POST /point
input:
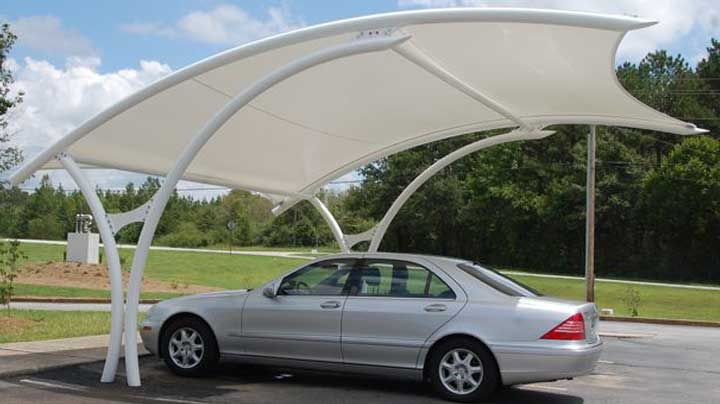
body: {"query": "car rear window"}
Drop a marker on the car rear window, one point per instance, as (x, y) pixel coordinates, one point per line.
(498, 281)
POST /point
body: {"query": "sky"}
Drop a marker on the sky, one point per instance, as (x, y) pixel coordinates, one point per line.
(76, 58)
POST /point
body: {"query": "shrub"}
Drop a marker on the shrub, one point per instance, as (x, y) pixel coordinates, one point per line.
(10, 256)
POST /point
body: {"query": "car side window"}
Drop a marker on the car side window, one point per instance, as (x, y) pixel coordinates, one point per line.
(324, 278)
(392, 278)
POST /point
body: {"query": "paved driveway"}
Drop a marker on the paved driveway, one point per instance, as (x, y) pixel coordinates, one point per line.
(662, 364)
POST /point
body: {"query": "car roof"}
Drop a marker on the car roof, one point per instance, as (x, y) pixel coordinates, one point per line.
(395, 255)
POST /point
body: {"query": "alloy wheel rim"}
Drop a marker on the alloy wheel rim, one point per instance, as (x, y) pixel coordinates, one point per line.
(461, 371)
(186, 348)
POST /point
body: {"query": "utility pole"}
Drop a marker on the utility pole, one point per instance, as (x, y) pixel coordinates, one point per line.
(590, 218)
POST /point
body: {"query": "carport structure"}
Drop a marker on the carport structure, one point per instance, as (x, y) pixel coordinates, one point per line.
(285, 115)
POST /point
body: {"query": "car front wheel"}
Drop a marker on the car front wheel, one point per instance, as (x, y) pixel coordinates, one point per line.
(188, 347)
(463, 370)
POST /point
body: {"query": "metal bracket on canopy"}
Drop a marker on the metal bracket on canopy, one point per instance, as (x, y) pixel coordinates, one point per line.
(119, 220)
(353, 239)
(378, 32)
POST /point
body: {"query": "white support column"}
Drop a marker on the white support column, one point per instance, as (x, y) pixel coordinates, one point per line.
(113, 261)
(518, 134)
(163, 194)
(590, 218)
(330, 219)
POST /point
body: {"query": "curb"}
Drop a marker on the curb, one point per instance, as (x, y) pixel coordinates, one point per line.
(662, 321)
(73, 300)
(45, 368)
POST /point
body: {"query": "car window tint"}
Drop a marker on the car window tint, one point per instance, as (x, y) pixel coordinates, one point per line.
(325, 278)
(396, 279)
(498, 281)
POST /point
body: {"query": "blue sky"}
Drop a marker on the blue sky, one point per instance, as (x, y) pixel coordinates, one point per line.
(89, 54)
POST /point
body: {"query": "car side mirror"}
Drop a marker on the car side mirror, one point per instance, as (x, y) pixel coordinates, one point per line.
(270, 292)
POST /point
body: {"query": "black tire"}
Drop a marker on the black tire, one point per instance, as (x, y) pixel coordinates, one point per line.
(208, 357)
(487, 383)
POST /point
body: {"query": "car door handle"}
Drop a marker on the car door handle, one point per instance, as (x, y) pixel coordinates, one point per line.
(330, 305)
(435, 308)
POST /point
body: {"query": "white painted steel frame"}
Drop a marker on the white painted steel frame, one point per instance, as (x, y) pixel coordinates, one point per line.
(163, 194)
(516, 135)
(330, 219)
(102, 221)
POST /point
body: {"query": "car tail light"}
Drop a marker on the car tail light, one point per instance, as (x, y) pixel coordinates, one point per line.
(571, 329)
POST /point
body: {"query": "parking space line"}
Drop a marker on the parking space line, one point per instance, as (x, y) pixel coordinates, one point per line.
(63, 386)
(543, 387)
(169, 400)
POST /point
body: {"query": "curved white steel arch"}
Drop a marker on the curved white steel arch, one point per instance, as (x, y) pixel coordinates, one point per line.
(519, 134)
(163, 194)
(332, 223)
(113, 259)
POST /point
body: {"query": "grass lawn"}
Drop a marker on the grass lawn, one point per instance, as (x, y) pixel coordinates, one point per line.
(209, 269)
(34, 325)
(60, 291)
(239, 271)
(655, 301)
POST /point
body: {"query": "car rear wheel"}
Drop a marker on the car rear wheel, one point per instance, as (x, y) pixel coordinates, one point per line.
(463, 370)
(188, 347)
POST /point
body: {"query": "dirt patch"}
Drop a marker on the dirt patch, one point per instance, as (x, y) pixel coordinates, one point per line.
(91, 276)
(11, 325)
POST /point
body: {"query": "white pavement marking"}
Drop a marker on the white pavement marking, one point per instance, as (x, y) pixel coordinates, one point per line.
(169, 400)
(64, 386)
(544, 387)
(668, 285)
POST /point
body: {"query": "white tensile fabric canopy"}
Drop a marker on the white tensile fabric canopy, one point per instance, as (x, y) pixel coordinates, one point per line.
(285, 115)
(543, 67)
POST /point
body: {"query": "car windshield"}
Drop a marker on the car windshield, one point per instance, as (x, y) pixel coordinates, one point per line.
(498, 281)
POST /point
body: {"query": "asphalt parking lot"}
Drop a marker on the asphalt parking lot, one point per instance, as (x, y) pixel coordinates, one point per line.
(660, 364)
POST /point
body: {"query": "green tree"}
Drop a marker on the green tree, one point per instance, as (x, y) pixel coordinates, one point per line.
(681, 205)
(9, 156)
(708, 71)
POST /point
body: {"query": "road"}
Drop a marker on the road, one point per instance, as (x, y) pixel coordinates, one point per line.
(662, 364)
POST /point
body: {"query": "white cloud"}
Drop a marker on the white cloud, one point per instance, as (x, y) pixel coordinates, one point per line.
(47, 34)
(223, 25)
(677, 18)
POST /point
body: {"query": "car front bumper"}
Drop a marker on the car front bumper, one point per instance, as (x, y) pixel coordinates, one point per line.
(150, 334)
(545, 362)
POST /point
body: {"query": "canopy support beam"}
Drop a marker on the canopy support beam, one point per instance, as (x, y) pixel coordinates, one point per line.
(196, 144)
(518, 134)
(103, 222)
(416, 56)
(330, 219)
(590, 218)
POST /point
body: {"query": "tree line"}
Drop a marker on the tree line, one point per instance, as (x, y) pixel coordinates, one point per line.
(516, 205)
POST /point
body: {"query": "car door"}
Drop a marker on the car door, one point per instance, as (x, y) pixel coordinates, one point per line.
(392, 309)
(303, 320)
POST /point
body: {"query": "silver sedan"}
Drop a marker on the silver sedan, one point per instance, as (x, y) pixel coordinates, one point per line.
(462, 327)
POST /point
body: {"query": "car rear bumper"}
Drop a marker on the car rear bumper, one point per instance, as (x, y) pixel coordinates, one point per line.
(545, 362)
